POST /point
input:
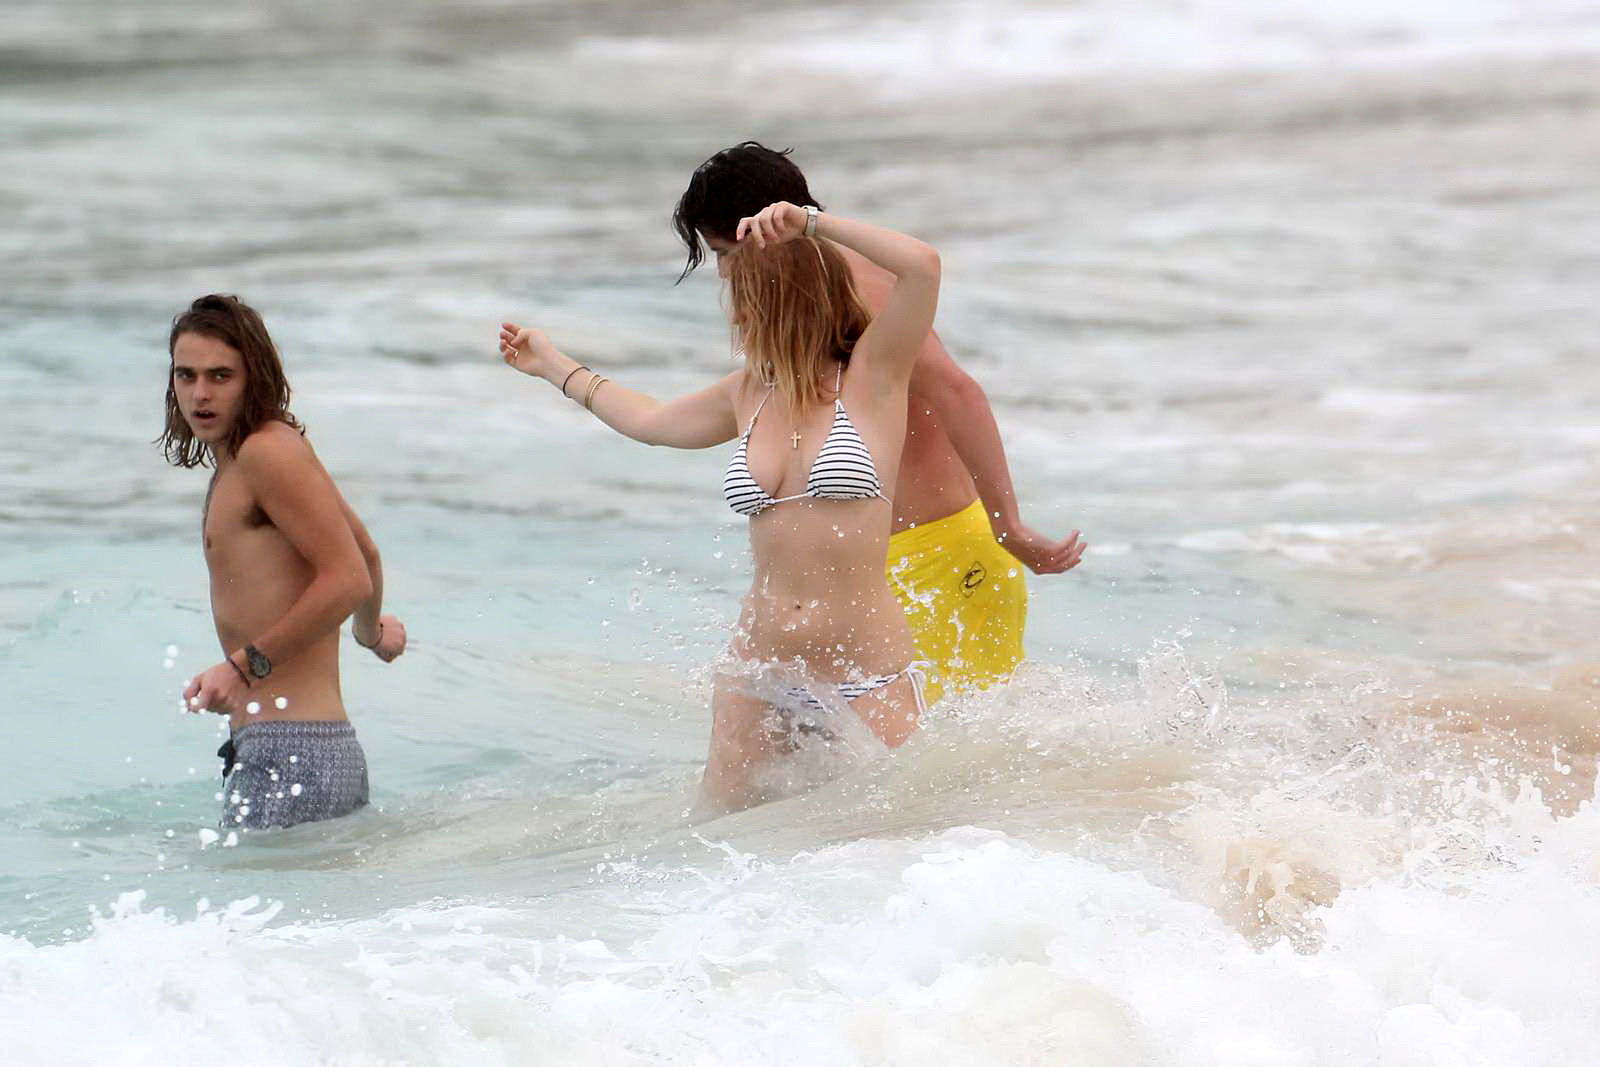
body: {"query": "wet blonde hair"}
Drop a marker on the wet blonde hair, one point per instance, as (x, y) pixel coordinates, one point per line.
(796, 314)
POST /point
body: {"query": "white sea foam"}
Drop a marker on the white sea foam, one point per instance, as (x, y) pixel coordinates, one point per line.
(1349, 544)
(946, 49)
(913, 951)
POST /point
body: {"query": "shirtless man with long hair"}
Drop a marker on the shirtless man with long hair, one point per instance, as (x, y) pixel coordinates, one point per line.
(289, 562)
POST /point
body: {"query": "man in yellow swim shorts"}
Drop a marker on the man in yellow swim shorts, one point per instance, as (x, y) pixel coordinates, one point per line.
(959, 543)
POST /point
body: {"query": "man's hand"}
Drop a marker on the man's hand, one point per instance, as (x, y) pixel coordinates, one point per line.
(391, 641)
(218, 689)
(1040, 554)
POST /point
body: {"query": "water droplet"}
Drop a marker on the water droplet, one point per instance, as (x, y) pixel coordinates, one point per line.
(281, 703)
(294, 790)
(172, 651)
(252, 708)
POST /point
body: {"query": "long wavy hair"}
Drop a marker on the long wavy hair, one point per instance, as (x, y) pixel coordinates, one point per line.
(266, 388)
(795, 313)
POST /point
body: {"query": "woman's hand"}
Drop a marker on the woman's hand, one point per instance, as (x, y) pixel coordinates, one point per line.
(528, 350)
(773, 224)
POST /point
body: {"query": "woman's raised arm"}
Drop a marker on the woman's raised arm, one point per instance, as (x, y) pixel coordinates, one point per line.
(898, 329)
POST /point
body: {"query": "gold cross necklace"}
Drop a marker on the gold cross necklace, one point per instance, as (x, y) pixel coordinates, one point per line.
(794, 439)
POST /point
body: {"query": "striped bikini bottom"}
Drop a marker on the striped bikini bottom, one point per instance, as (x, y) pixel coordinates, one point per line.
(799, 698)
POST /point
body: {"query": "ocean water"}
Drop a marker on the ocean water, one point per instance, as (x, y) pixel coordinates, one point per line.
(1288, 306)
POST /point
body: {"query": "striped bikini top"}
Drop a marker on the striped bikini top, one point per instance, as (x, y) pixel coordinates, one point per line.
(843, 469)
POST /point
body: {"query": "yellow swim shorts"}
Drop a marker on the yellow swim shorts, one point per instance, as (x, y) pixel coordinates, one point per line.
(964, 597)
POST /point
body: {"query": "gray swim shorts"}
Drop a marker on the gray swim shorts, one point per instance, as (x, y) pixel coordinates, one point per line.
(282, 773)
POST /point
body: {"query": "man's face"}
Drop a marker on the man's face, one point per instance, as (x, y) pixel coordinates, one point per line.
(208, 380)
(720, 249)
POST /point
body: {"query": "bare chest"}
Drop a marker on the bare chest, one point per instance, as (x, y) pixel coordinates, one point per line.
(232, 523)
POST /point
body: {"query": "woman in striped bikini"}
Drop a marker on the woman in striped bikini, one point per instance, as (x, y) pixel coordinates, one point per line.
(819, 411)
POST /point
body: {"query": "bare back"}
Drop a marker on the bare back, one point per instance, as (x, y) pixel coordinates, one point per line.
(933, 481)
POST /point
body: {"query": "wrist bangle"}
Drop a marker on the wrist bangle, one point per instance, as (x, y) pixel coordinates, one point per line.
(594, 387)
(242, 676)
(812, 211)
(568, 378)
(357, 637)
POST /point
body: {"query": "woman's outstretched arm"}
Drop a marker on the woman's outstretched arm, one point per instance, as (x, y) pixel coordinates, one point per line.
(697, 420)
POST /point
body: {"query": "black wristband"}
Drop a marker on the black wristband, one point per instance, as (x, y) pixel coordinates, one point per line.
(242, 676)
(568, 378)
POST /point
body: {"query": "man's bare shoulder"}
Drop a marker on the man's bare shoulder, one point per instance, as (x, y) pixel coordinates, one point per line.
(276, 448)
(934, 366)
(872, 282)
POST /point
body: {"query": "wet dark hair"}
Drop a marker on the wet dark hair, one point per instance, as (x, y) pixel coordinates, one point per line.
(266, 389)
(734, 183)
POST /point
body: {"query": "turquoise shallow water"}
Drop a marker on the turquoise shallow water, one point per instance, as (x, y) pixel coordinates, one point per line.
(1289, 311)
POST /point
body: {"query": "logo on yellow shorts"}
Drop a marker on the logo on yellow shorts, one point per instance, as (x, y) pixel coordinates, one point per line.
(974, 577)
